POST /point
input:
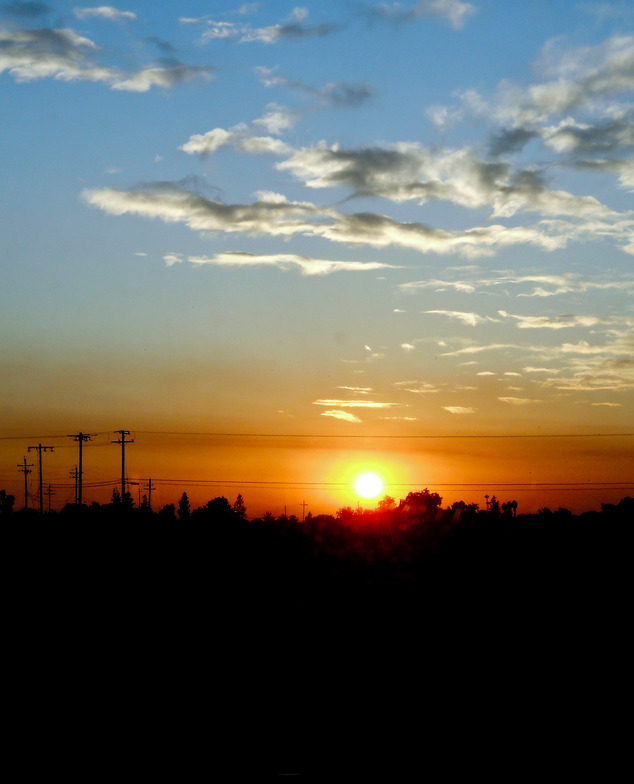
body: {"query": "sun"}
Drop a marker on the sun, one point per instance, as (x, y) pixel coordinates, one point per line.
(368, 485)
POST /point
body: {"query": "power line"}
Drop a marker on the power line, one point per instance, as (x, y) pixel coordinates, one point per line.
(39, 448)
(377, 436)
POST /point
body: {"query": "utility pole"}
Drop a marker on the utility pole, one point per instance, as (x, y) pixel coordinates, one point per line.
(39, 448)
(75, 475)
(123, 442)
(304, 505)
(149, 494)
(49, 493)
(81, 437)
(24, 468)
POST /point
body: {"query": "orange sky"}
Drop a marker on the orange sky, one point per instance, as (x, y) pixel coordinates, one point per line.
(274, 473)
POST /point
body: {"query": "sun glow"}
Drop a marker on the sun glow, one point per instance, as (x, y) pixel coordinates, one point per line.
(368, 485)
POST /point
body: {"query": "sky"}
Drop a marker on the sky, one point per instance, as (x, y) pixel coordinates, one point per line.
(281, 244)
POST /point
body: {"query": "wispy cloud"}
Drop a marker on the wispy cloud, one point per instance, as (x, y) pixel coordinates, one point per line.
(346, 416)
(479, 349)
(453, 11)
(338, 94)
(292, 28)
(518, 401)
(472, 319)
(530, 285)
(104, 12)
(358, 390)
(283, 261)
(274, 215)
(554, 322)
(417, 387)
(460, 409)
(354, 403)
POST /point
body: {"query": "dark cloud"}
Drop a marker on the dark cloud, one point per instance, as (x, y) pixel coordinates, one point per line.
(594, 139)
(345, 94)
(511, 140)
(294, 28)
(454, 11)
(165, 46)
(26, 10)
(65, 55)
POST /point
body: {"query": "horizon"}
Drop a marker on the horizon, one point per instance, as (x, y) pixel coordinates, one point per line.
(296, 494)
(290, 244)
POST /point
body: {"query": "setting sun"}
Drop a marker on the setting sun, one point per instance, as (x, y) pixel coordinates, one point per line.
(368, 485)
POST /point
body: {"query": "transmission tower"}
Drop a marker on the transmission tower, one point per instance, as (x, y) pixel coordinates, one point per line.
(39, 448)
(25, 469)
(123, 442)
(80, 437)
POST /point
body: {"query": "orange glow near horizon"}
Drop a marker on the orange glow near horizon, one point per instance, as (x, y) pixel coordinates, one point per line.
(280, 475)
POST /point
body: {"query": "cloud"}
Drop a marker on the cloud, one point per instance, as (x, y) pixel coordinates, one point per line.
(271, 214)
(104, 12)
(557, 322)
(539, 285)
(162, 76)
(291, 29)
(571, 136)
(64, 55)
(346, 416)
(460, 409)
(354, 403)
(337, 94)
(417, 387)
(243, 136)
(274, 215)
(453, 11)
(479, 349)
(472, 319)
(306, 264)
(584, 79)
(518, 401)
(407, 171)
(26, 10)
(238, 138)
(277, 118)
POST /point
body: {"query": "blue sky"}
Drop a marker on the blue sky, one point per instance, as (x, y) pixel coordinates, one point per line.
(337, 217)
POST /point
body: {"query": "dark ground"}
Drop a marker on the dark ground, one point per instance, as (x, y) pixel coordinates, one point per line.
(498, 649)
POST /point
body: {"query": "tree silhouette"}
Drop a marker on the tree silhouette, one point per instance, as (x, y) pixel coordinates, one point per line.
(385, 504)
(6, 503)
(239, 509)
(183, 508)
